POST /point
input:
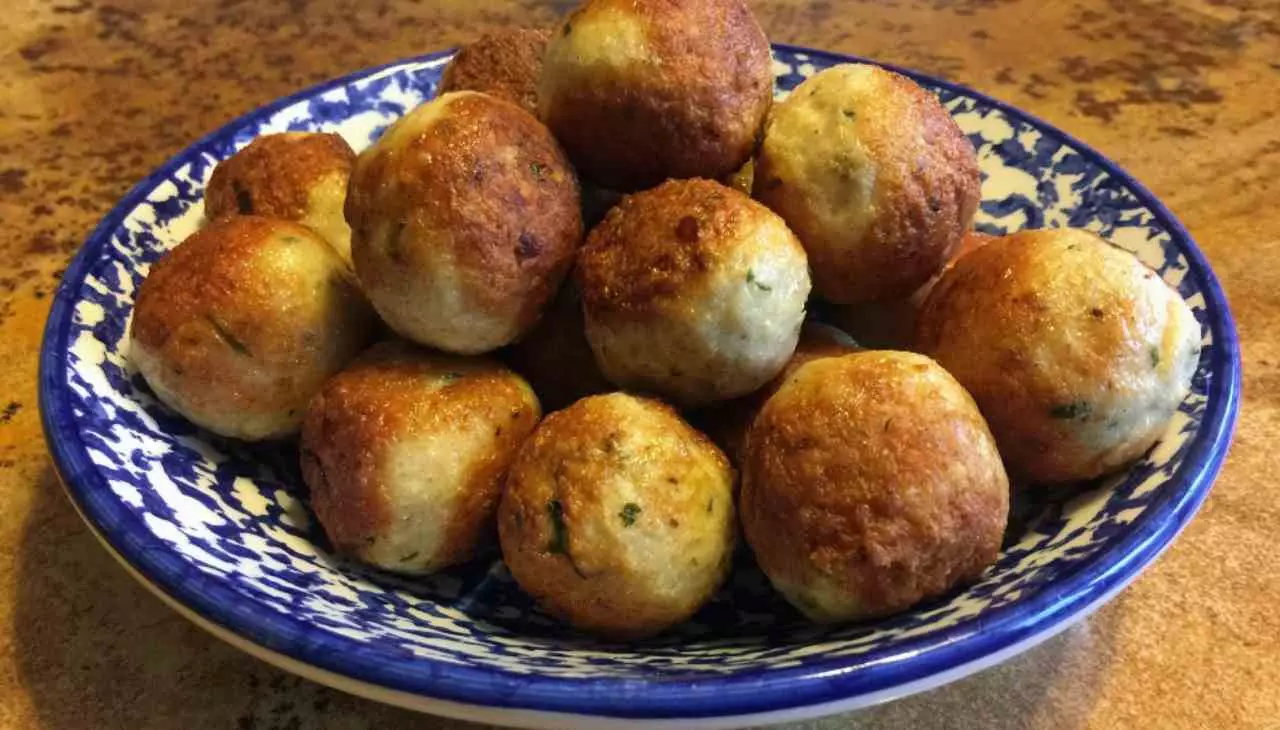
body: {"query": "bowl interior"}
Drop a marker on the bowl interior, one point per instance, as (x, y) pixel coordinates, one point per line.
(225, 527)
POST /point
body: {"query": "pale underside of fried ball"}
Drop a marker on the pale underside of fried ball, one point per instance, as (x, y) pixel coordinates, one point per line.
(243, 322)
(465, 217)
(618, 516)
(870, 483)
(642, 92)
(692, 290)
(874, 177)
(405, 453)
(298, 176)
(1076, 352)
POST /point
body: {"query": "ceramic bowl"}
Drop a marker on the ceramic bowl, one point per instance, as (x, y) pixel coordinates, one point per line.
(222, 531)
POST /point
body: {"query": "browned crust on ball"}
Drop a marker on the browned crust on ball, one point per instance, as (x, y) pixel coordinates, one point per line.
(696, 112)
(555, 356)
(380, 400)
(856, 483)
(979, 321)
(209, 304)
(515, 223)
(925, 198)
(727, 423)
(505, 63)
(274, 174)
(587, 581)
(661, 244)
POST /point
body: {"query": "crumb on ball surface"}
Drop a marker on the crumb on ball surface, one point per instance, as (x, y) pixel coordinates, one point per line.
(297, 176)
(465, 218)
(873, 175)
(618, 516)
(692, 290)
(639, 92)
(871, 482)
(241, 324)
(505, 63)
(1077, 353)
(405, 453)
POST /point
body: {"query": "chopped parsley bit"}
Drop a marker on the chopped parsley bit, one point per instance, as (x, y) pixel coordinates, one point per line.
(711, 505)
(751, 279)
(409, 557)
(291, 239)
(629, 512)
(849, 113)
(559, 544)
(1155, 357)
(536, 168)
(1071, 411)
(450, 376)
(568, 28)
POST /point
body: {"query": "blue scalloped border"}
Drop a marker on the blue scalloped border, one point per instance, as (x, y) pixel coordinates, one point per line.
(745, 693)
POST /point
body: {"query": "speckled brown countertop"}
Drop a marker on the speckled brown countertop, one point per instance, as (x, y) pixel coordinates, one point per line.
(1184, 94)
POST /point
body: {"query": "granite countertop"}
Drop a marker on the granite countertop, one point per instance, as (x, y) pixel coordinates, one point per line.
(1185, 94)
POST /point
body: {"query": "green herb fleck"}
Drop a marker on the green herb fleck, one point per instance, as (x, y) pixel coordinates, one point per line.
(1071, 411)
(410, 556)
(711, 505)
(568, 28)
(751, 279)
(537, 169)
(849, 113)
(225, 335)
(291, 239)
(1155, 357)
(559, 544)
(629, 512)
(450, 376)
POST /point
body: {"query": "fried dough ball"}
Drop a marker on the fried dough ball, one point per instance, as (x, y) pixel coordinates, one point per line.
(639, 92)
(465, 218)
(239, 326)
(555, 356)
(871, 483)
(505, 64)
(873, 175)
(618, 516)
(692, 290)
(405, 453)
(892, 323)
(1077, 354)
(297, 176)
(727, 423)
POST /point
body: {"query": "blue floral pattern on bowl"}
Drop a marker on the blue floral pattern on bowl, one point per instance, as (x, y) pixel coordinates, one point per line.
(223, 527)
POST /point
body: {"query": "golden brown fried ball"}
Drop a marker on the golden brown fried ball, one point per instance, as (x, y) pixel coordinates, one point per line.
(555, 356)
(504, 63)
(892, 323)
(1077, 354)
(692, 290)
(727, 423)
(239, 326)
(405, 453)
(871, 483)
(618, 516)
(465, 218)
(873, 175)
(297, 176)
(639, 92)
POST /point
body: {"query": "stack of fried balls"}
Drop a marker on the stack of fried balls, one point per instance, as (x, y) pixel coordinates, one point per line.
(500, 320)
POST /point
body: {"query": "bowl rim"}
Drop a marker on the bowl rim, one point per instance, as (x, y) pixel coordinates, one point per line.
(751, 691)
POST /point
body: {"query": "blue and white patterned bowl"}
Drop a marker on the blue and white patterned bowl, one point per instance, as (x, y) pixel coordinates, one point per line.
(222, 532)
